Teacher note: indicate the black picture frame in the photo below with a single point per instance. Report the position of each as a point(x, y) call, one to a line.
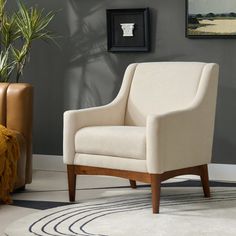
point(193, 34)
point(140, 41)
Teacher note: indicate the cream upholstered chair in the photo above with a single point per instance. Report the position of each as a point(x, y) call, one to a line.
point(159, 126)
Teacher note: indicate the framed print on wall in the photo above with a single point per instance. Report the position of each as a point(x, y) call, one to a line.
point(128, 30)
point(211, 18)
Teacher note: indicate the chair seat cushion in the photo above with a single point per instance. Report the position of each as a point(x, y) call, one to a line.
point(119, 141)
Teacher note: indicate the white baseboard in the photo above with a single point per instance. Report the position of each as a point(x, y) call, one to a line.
point(48, 162)
point(220, 172)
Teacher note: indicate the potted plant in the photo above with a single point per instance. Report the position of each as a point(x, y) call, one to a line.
point(18, 31)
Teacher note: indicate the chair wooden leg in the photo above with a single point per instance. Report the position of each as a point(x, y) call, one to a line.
point(133, 183)
point(71, 182)
point(205, 180)
point(156, 191)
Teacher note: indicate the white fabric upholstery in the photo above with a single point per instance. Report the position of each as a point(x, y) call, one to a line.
point(159, 88)
point(110, 162)
point(120, 141)
point(111, 114)
point(176, 103)
point(183, 138)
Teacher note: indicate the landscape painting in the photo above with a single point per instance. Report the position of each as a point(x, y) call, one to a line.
point(211, 18)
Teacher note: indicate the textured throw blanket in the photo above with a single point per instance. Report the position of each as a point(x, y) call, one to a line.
point(9, 154)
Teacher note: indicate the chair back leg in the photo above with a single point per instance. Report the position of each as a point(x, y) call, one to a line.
point(132, 183)
point(205, 180)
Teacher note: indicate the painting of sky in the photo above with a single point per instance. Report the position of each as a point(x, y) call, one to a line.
point(214, 6)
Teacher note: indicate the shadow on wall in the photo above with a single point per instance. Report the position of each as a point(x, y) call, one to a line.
point(94, 75)
point(82, 73)
point(45, 71)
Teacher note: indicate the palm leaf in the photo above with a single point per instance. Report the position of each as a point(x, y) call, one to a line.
point(6, 66)
point(17, 33)
point(33, 23)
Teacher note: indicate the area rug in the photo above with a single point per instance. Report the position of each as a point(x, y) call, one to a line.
point(184, 211)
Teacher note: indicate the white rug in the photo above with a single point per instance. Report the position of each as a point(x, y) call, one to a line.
point(183, 211)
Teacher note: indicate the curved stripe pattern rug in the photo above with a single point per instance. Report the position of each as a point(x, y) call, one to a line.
point(184, 211)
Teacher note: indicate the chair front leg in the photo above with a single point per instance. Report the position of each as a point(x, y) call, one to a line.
point(156, 192)
point(71, 182)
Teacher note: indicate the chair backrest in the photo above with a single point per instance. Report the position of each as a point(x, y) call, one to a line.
point(161, 87)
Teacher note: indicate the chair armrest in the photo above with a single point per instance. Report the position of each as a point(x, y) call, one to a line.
point(76, 119)
point(21, 162)
point(19, 117)
point(111, 114)
point(177, 140)
point(183, 138)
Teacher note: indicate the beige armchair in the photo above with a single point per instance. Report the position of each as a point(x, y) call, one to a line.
point(159, 126)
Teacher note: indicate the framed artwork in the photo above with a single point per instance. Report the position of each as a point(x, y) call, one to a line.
point(128, 30)
point(211, 18)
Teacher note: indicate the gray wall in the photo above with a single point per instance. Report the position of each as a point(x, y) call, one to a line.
point(82, 74)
